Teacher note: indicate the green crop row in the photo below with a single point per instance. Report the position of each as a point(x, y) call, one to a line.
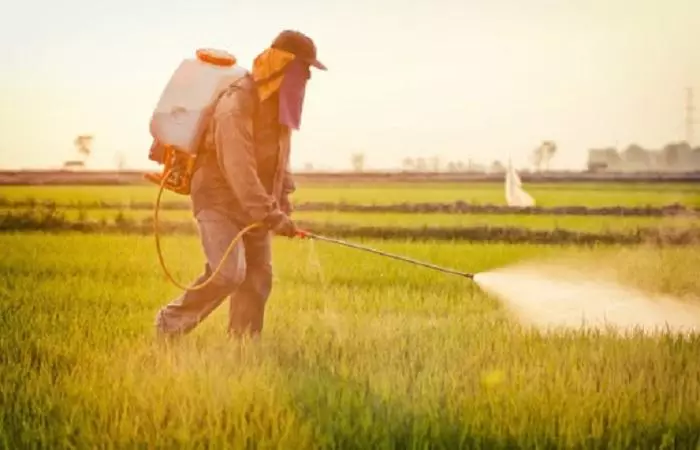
point(547, 195)
point(538, 222)
point(679, 233)
point(458, 207)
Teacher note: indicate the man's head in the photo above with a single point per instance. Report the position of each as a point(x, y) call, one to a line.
point(282, 71)
point(300, 45)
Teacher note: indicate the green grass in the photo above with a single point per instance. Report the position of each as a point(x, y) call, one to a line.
point(358, 352)
point(540, 222)
point(543, 222)
point(565, 194)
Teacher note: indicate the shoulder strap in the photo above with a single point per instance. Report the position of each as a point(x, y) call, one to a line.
point(204, 149)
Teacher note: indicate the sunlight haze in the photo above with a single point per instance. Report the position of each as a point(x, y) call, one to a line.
point(454, 79)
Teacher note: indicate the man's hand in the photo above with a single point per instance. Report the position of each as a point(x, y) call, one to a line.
point(286, 205)
point(281, 224)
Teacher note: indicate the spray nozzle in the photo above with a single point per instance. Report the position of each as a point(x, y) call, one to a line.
point(303, 234)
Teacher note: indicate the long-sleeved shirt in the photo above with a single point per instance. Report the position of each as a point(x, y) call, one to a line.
point(243, 168)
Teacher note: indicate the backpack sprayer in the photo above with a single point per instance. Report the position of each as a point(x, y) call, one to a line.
point(178, 125)
point(182, 114)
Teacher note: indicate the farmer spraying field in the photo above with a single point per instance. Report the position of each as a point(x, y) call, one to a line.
point(224, 139)
point(236, 173)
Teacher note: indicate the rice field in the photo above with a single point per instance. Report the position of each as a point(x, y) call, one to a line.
point(549, 194)
point(358, 351)
point(539, 222)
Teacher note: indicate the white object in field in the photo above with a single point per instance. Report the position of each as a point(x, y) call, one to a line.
point(515, 194)
point(186, 103)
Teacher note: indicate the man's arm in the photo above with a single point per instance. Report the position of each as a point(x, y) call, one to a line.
point(235, 149)
point(288, 186)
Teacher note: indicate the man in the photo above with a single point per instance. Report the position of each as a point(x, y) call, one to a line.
point(242, 177)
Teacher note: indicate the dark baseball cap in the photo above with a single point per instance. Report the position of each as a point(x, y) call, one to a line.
point(300, 45)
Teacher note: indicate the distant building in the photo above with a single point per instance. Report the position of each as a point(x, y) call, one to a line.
point(674, 157)
point(603, 159)
point(695, 157)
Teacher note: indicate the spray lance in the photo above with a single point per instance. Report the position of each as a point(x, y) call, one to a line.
point(308, 235)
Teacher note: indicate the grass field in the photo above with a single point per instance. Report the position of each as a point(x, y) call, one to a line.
point(358, 351)
point(552, 194)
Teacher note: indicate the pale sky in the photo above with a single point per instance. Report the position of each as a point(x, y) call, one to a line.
point(458, 79)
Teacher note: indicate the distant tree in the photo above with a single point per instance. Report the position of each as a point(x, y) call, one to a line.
point(477, 168)
point(543, 154)
point(308, 167)
point(421, 165)
point(498, 167)
point(83, 144)
point(408, 164)
point(550, 149)
point(358, 162)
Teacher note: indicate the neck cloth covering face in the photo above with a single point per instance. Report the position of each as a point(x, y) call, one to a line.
point(276, 70)
point(268, 71)
point(292, 93)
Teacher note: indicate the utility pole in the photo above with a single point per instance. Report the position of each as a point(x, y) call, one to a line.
point(689, 116)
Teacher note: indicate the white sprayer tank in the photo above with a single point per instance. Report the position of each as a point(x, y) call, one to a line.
point(186, 103)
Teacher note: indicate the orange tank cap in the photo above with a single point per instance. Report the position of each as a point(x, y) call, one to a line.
point(216, 57)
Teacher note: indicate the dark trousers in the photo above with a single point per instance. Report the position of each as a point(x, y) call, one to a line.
point(246, 278)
